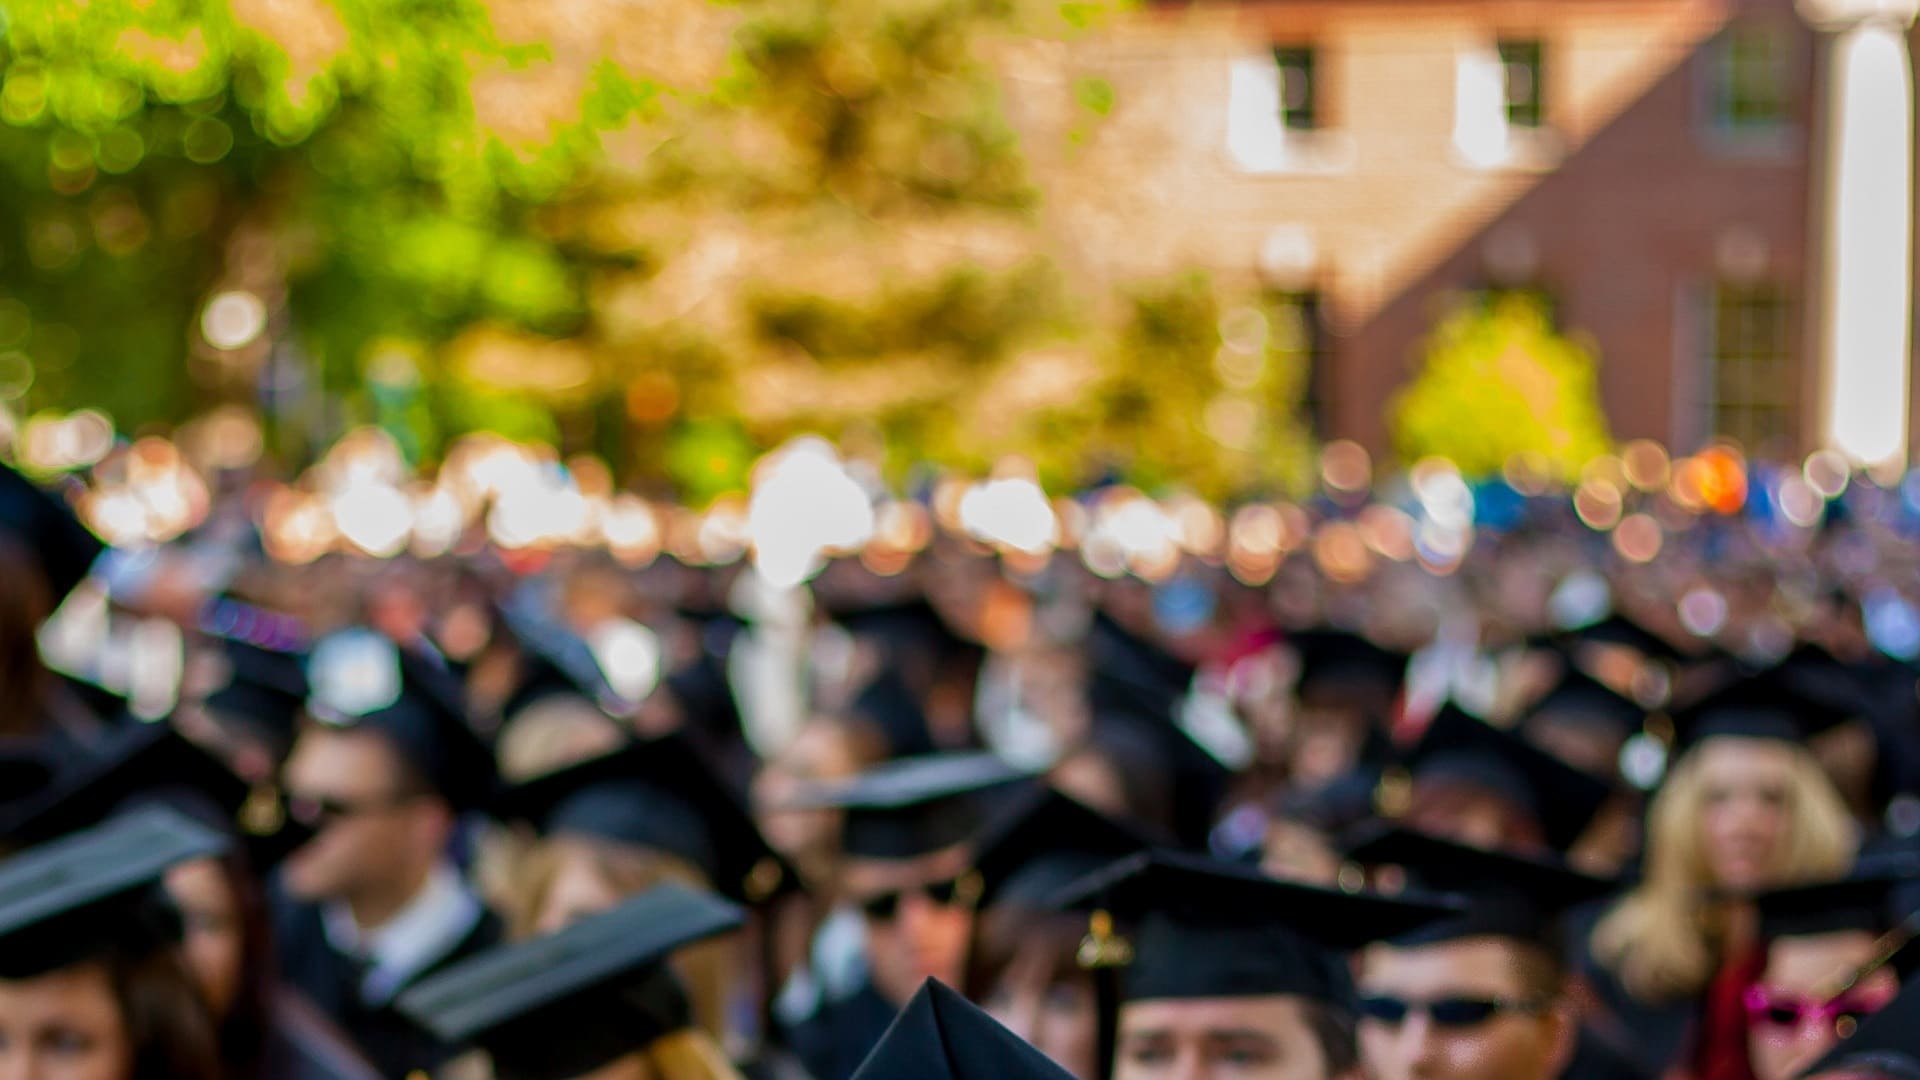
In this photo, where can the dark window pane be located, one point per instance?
(1299, 107)
(1754, 383)
(1521, 61)
(1750, 79)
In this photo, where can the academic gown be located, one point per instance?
(331, 980)
(837, 1038)
(301, 1044)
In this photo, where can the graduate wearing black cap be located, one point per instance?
(1348, 692)
(1476, 783)
(1481, 995)
(382, 773)
(1583, 722)
(1219, 964)
(1022, 961)
(905, 845)
(942, 1036)
(89, 949)
(596, 998)
(265, 1031)
(1832, 954)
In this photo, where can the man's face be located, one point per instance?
(347, 782)
(1792, 1014)
(915, 926)
(1523, 1040)
(1253, 1038)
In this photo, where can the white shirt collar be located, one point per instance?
(438, 917)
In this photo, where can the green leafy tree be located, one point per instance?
(1498, 380)
(675, 232)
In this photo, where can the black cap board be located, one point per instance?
(942, 1036)
(1627, 632)
(265, 690)
(1773, 704)
(568, 1003)
(888, 704)
(1457, 747)
(1203, 928)
(913, 806)
(1863, 900)
(1886, 1046)
(555, 661)
(1502, 895)
(26, 776)
(1336, 663)
(361, 680)
(154, 763)
(95, 891)
(1029, 854)
(661, 794)
(43, 524)
(1580, 699)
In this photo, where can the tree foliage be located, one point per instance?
(1498, 381)
(673, 232)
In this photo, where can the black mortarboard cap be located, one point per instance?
(1128, 673)
(659, 794)
(1580, 699)
(154, 763)
(1773, 704)
(1335, 662)
(1196, 781)
(26, 775)
(1028, 855)
(913, 806)
(942, 1036)
(95, 891)
(1561, 798)
(266, 690)
(568, 1003)
(1865, 899)
(1336, 805)
(555, 661)
(1886, 1046)
(888, 704)
(1206, 928)
(1502, 895)
(361, 680)
(1625, 631)
(43, 524)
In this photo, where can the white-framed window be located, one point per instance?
(1500, 104)
(1275, 121)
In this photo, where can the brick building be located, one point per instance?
(1658, 169)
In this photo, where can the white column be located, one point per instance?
(1866, 269)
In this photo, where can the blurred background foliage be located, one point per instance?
(673, 233)
(1497, 382)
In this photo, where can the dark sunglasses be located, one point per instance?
(1778, 1009)
(1454, 1012)
(962, 890)
(317, 812)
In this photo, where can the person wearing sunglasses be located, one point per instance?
(382, 772)
(905, 841)
(1223, 972)
(1832, 954)
(1481, 995)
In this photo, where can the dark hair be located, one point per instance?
(1005, 933)
(244, 1029)
(24, 604)
(168, 1027)
(1333, 1029)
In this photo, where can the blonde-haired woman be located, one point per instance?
(1745, 808)
(615, 826)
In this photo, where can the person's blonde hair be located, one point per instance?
(1663, 939)
(705, 970)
